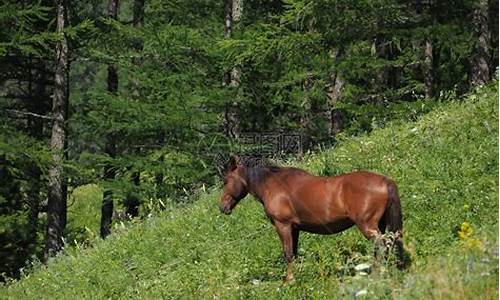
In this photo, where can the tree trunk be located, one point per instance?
(382, 51)
(480, 71)
(138, 13)
(56, 207)
(132, 200)
(160, 189)
(107, 197)
(159, 184)
(418, 6)
(110, 143)
(334, 92)
(493, 25)
(307, 117)
(138, 22)
(429, 77)
(233, 10)
(228, 18)
(34, 205)
(112, 79)
(236, 14)
(35, 128)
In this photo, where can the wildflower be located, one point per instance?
(466, 235)
(465, 231)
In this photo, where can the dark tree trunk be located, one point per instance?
(137, 44)
(160, 187)
(306, 120)
(160, 193)
(429, 72)
(56, 207)
(110, 143)
(430, 61)
(493, 25)
(107, 197)
(336, 120)
(34, 206)
(381, 49)
(132, 200)
(35, 127)
(106, 213)
(138, 13)
(480, 61)
(388, 76)
(418, 6)
(231, 119)
(112, 79)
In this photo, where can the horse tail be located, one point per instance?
(394, 221)
(394, 218)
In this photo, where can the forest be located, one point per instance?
(135, 103)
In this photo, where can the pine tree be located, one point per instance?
(56, 206)
(233, 13)
(111, 139)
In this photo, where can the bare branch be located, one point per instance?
(18, 112)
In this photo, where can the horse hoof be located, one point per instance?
(289, 279)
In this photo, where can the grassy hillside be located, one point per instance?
(446, 166)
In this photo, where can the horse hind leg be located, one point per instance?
(372, 232)
(390, 241)
(394, 245)
(384, 243)
(382, 224)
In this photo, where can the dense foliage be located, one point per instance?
(449, 201)
(324, 69)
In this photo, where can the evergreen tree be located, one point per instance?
(25, 100)
(57, 194)
(111, 137)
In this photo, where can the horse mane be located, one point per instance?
(258, 169)
(256, 161)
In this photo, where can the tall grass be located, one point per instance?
(446, 167)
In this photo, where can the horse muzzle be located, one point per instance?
(225, 209)
(226, 205)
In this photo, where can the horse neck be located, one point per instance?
(257, 179)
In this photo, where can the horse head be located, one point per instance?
(235, 185)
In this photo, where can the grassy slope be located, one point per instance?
(446, 165)
(83, 221)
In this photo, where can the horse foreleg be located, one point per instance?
(286, 234)
(295, 237)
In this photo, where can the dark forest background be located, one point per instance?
(139, 96)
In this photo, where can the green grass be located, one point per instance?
(84, 204)
(446, 167)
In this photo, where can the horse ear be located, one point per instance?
(233, 162)
(220, 162)
(220, 170)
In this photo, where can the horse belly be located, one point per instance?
(327, 228)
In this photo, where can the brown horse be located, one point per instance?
(295, 201)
